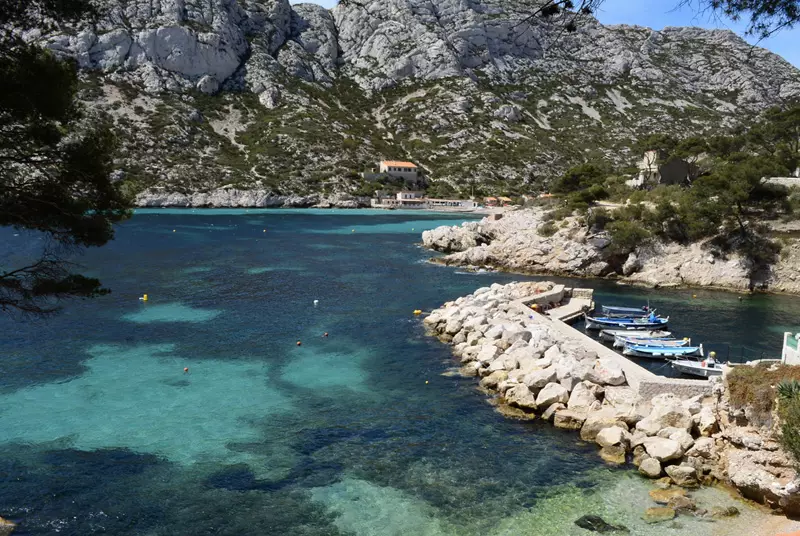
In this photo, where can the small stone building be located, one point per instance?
(397, 168)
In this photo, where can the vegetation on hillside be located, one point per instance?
(724, 197)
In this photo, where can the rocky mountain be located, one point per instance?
(296, 99)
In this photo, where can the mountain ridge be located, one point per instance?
(297, 99)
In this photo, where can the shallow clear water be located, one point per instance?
(102, 431)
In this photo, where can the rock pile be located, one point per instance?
(533, 371)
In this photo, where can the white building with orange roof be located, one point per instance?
(399, 168)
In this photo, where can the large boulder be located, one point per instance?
(663, 449)
(583, 395)
(650, 467)
(706, 422)
(658, 514)
(552, 393)
(613, 435)
(607, 372)
(613, 454)
(569, 419)
(667, 412)
(537, 379)
(493, 380)
(598, 420)
(683, 475)
(551, 410)
(678, 434)
(521, 397)
(488, 353)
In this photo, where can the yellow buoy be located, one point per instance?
(426, 382)
(264, 231)
(694, 295)
(144, 297)
(353, 231)
(417, 311)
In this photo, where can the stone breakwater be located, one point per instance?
(233, 198)
(532, 371)
(515, 243)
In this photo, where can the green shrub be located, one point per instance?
(756, 386)
(790, 427)
(547, 229)
(788, 389)
(626, 236)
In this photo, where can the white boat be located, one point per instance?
(639, 324)
(611, 334)
(620, 341)
(662, 352)
(698, 368)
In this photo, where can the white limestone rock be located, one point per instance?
(663, 449)
(550, 394)
(538, 379)
(521, 397)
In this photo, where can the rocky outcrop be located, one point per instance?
(517, 243)
(455, 238)
(532, 369)
(231, 197)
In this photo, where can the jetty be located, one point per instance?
(533, 365)
(574, 303)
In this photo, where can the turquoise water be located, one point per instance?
(103, 432)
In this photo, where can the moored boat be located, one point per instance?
(611, 334)
(663, 352)
(625, 323)
(627, 312)
(623, 340)
(704, 369)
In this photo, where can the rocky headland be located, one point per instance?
(515, 243)
(235, 198)
(532, 371)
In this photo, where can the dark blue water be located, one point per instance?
(102, 432)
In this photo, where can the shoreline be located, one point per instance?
(620, 281)
(514, 244)
(532, 371)
(481, 212)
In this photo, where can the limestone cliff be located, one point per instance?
(516, 243)
(295, 99)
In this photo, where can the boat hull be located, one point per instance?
(603, 323)
(655, 352)
(694, 368)
(620, 341)
(631, 312)
(611, 334)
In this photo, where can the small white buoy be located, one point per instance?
(316, 302)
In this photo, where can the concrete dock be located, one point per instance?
(574, 302)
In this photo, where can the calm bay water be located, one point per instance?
(102, 432)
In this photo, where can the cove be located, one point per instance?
(101, 431)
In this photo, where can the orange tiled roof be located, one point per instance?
(397, 163)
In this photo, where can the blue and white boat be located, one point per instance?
(611, 334)
(663, 352)
(620, 341)
(625, 312)
(625, 323)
